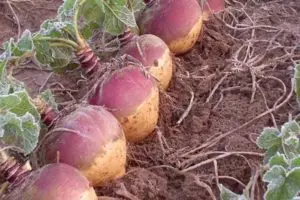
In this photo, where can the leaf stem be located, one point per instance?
(79, 38)
(66, 42)
(60, 45)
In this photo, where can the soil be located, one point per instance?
(240, 68)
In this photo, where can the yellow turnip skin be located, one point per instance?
(177, 22)
(154, 54)
(133, 97)
(53, 182)
(187, 42)
(90, 139)
(143, 121)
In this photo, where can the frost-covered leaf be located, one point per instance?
(18, 49)
(227, 194)
(93, 16)
(25, 105)
(24, 45)
(52, 56)
(19, 118)
(67, 8)
(291, 128)
(297, 82)
(3, 64)
(269, 137)
(290, 141)
(271, 152)
(282, 184)
(280, 160)
(9, 101)
(295, 162)
(136, 5)
(49, 98)
(19, 131)
(56, 28)
(117, 16)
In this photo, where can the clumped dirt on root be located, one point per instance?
(232, 84)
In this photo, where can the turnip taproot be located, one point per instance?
(133, 97)
(212, 6)
(177, 22)
(51, 182)
(90, 139)
(152, 52)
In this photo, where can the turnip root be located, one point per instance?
(177, 22)
(90, 139)
(154, 54)
(51, 182)
(212, 6)
(133, 98)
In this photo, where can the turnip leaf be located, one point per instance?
(282, 184)
(25, 43)
(52, 56)
(116, 16)
(279, 159)
(19, 118)
(270, 137)
(290, 141)
(297, 82)
(136, 5)
(295, 162)
(227, 194)
(19, 131)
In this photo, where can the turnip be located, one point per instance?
(177, 22)
(152, 52)
(212, 6)
(133, 97)
(90, 139)
(55, 181)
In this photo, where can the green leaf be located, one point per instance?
(49, 98)
(290, 141)
(25, 105)
(6, 55)
(297, 81)
(291, 127)
(295, 162)
(136, 5)
(52, 56)
(9, 101)
(19, 118)
(227, 194)
(280, 160)
(116, 16)
(20, 131)
(16, 50)
(269, 137)
(67, 8)
(93, 16)
(25, 43)
(271, 152)
(3, 64)
(282, 184)
(56, 28)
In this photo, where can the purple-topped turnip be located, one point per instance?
(133, 97)
(90, 139)
(55, 181)
(152, 52)
(177, 22)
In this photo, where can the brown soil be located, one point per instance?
(227, 80)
